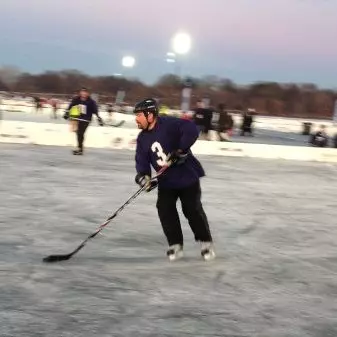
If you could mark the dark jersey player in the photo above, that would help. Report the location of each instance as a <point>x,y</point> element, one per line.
<point>165,139</point>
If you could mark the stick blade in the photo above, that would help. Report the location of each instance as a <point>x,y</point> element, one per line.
<point>56,258</point>
<point>119,124</point>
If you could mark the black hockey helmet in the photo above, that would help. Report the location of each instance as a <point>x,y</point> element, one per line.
<point>147,106</point>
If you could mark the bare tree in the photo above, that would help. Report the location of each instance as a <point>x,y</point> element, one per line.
<point>9,75</point>
<point>268,98</point>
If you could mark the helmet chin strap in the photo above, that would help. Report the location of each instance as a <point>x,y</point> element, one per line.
<point>148,123</point>
<point>147,120</point>
<point>146,115</point>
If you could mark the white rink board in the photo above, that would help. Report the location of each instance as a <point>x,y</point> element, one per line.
<point>282,124</point>
<point>122,138</point>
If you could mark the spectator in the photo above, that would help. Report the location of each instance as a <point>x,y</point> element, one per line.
<point>203,119</point>
<point>55,105</point>
<point>247,122</point>
<point>109,108</point>
<point>320,138</point>
<point>335,141</point>
<point>225,124</point>
<point>38,103</point>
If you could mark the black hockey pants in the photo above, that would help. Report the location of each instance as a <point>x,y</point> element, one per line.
<point>190,198</point>
<point>82,127</point>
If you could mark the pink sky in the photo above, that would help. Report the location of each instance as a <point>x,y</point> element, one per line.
<point>295,35</point>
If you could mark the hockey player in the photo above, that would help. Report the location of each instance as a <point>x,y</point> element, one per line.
<point>168,140</point>
<point>85,107</point>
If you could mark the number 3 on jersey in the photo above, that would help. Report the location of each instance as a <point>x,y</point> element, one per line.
<point>156,147</point>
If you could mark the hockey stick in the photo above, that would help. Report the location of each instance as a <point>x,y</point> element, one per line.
<point>78,119</point>
<point>57,258</point>
<point>117,125</point>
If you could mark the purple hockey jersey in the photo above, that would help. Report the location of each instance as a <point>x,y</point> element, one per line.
<point>153,146</point>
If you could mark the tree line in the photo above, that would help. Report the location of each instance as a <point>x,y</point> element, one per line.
<point>268,98</point>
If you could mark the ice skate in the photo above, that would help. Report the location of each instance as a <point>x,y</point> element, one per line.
<point>175,252</point>
<point>78,152</point>
<point>207,251</point>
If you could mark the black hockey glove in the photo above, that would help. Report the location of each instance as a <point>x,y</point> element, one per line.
<point>177,157</point>
<point>100,121</point>
<point>66,116</point>
<point>145,181</point>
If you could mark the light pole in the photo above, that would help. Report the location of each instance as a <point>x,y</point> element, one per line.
<point>128,62</point>
<point>171,58</point>
<point>181,45</point>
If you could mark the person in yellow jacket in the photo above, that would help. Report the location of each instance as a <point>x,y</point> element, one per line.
<point>80,112</point>
<point>74,115</point>
<point>163,111</point>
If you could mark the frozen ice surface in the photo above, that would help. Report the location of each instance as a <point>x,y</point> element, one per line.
<point>274,224</point>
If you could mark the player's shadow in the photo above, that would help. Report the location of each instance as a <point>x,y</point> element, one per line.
<point>154,261</point>
<point>125,260</point>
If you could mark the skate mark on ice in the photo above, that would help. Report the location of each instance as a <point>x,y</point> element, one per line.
<point>249,229</point>
<point>218,277</point>
<point>142,261</point>
<point>134,241</point>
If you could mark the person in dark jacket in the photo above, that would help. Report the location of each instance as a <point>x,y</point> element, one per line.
<point>109,109</point>
<point>334,141</point>
<point>81,109</point>
<point>225,123</point>
<point>38,103</point>
<point>247,122</point>
<point>169,139</point>
<point>203,119</point>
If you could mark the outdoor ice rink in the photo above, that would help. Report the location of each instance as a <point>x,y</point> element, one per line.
<point>275,229</point>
